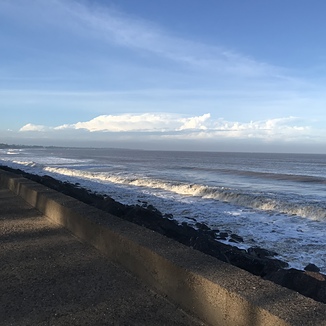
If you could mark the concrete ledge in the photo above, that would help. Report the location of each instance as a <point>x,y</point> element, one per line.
<point>215,292</point>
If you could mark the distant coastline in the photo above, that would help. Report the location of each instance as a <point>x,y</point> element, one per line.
<point>15,146</point>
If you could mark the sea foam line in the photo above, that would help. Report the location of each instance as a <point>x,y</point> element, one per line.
<point>311,210</point>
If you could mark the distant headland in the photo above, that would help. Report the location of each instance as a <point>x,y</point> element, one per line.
<point>13,146</point>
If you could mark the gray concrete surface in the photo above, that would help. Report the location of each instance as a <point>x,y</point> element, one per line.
<point>215,292</point>
<point>48,277</point>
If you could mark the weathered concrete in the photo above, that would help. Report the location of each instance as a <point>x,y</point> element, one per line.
<point>48,277</point>
<point>218,293</point>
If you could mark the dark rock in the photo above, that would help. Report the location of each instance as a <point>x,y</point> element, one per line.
<point>191,218</point>
<point>312,268</point>
<point>236,238</point>
<point>153,209</point>
<point>211,233</point>
<point>260,252</point>
<point>218,237</point>
<point>223,234</point>
<point>202,226</point>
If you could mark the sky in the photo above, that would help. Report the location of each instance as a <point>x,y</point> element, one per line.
<point>173,75</point>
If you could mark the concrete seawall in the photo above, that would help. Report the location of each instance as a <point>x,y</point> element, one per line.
<point>215,292</point>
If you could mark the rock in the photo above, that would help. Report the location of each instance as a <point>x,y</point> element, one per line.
<point>202,226</point>
<point>260,252</point>
<point>312,268</point>
<point>218,237</point>
<point>153,209</point>
<point>191,218</point>
<point>236,238</point>
<point>211,234</point>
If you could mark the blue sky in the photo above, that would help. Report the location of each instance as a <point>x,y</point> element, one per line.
<point>182,74</point>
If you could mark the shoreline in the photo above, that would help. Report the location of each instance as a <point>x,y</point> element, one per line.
<point>255,260</point>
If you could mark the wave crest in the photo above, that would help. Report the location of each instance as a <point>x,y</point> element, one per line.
<point>261,201</point>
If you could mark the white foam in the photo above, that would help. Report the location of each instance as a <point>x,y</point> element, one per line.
<point>314,210</point>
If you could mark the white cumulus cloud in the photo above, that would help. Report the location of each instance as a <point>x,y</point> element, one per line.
<point>147,122</point>
<point>180,127</point>
<point>195,122</point>
<point>32,127</point>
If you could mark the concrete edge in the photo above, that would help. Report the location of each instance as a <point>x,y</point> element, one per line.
<point>213,291</point>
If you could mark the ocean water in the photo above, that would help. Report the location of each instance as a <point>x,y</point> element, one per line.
<point>275,201</point>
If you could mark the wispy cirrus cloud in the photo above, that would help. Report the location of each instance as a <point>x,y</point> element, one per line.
<point>97,46</point>
<point>91,26</point>
<point>112,26</point>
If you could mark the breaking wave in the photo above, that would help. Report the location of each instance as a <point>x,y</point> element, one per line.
<point>285,204</point>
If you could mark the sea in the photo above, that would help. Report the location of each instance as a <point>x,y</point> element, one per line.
<point>273,201</point>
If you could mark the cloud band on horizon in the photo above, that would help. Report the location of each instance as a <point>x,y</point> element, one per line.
<point>167,125</point>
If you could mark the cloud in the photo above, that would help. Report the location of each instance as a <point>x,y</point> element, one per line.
<point>175,126</point>
<point>280,129</point>
<point>32,127</point>
<point>147,122</point>
<point>195,122</point>
<point>111,26</point>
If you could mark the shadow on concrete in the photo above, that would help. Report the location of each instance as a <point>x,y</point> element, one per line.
<point>47,277</point>
<point>23,235</point>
